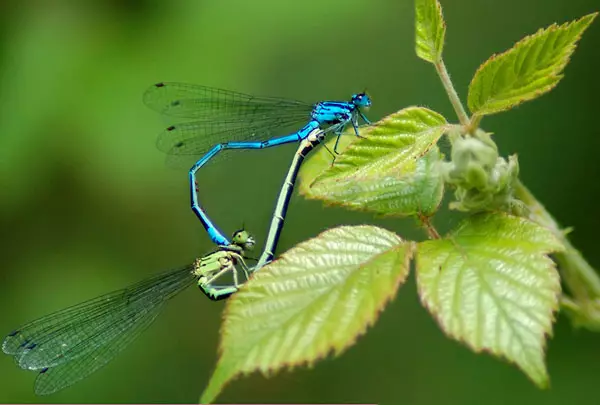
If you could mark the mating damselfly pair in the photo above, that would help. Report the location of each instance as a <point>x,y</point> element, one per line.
<point>70,344</point>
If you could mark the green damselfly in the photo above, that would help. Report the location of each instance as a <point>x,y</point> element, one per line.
<point>69,345</point>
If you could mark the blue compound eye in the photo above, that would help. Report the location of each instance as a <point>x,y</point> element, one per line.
<point>361,100</point>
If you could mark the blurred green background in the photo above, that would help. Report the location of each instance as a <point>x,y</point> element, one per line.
<point>87,204</point>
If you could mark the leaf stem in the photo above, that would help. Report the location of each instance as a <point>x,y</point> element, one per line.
<point>426,223</point>
<point>440,67</point>
<point>579,276</point>
<point>474,124</point>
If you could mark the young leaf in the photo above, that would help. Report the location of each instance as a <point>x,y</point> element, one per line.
<point>317,298</point>
<point>430,30</point>
<point>320,160</point>
<point>491,285</point>
<point>396,141</point>
<point>415,189</point>
<point>526,71</point>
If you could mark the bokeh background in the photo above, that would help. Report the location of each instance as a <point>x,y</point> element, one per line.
<point>87,205</point>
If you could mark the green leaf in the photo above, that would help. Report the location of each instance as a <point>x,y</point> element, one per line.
<point>316,299</point>
<point>415,189</point>
<point>384,147</point>
<point>382,171</point>
<point>430,30</point>
<point>491,285</point>
<point>526,71</point>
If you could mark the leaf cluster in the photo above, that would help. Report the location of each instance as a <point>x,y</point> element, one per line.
<point>489,282</point>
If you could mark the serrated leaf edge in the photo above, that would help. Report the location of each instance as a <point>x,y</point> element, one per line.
<point>443,128</point>
<point>437,54</point>
<point>547,333</point>
<point>410,249</point>
<point>556,72</point>
<point>330,202</point>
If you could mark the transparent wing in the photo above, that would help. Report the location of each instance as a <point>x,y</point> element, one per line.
<point>72,343</point>
<point>196,138</point>
<point>185,142</point>
<point>64,375</point>
<point>212,104</point>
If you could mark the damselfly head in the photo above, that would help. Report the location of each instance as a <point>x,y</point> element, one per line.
<point>243,239</point>
<point>250,242</point>
<point>361,100</point>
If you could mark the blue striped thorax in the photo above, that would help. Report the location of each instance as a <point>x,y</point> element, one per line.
<point>334,112</point>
